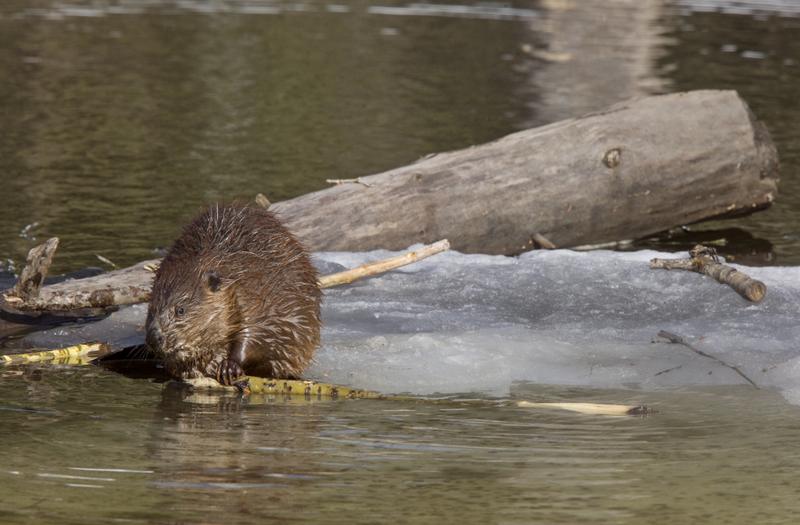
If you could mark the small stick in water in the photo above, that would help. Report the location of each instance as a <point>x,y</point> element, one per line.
<point>676,339</point>
<point>704,260</point>
<point>599,409</point>
<point>374,268</point>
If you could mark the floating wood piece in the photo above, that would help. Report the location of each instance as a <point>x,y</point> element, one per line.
<point>676,339</point>
<point>704,260</point>
<point>599,409</point>
<point>32,276</point>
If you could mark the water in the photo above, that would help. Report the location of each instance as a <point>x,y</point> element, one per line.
<point>119,118</point>
<point>75,454</point>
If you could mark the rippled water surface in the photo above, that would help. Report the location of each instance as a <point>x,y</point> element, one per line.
<point>87,446</point>
<point>120,118</point>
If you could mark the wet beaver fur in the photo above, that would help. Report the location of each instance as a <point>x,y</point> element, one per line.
<point>236,294</point>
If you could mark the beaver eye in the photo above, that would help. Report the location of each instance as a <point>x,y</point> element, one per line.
<point>180,310</point>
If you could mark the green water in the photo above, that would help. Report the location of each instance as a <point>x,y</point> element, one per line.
<point>87,446</point>
<point>119,119</point>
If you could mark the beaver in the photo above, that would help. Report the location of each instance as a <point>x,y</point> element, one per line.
<point>236,294</point>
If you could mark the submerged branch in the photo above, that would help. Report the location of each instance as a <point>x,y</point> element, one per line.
<point>676,339</point>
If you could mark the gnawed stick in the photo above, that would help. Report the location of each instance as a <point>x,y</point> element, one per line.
<point>90,350</point>
<point>676,339</point>
<point>315,390</point>
<point>378,267</point>
<point>704,260</point>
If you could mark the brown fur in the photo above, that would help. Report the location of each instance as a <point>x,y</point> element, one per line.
<point>236,287</point>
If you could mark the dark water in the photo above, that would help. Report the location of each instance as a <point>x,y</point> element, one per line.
<point>75,454</point>
<point>118,119</point>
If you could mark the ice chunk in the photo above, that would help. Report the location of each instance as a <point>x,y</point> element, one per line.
<point>460,323</point>
<point>477,323</point>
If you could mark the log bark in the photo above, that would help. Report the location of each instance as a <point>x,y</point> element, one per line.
<point>635,169</point>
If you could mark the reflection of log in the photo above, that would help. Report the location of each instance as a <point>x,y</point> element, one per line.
<point>638,168</point>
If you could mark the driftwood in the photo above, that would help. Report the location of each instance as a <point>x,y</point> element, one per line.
<point>638,168</point>
<point>704,260</point>
<point>133,285</point>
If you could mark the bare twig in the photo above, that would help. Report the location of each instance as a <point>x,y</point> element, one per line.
<point>106,260</point>
<point>348,181</point>
<point>676,339</point>
<point>543,241</point>
<point>374,268</point>
<point>704,260</point>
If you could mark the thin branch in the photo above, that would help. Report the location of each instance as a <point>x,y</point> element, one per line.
<point>676,339</point>
<point>378,267</point>
<point>348,181</point>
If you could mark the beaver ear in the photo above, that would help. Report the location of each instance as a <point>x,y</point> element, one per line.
<point>212,280</point>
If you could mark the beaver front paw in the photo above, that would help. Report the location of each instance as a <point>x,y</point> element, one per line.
<point>226,371</point>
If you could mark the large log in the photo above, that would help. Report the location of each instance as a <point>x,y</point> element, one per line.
<point>635,169</point>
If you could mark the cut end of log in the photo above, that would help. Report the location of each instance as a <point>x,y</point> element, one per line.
<point>756,291</point>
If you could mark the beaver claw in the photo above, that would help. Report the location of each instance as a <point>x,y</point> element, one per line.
<point>226,371</point>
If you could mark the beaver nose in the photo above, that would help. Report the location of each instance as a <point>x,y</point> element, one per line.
<point>154,338</point>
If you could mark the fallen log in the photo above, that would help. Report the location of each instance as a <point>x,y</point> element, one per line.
<point>635,169</point>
